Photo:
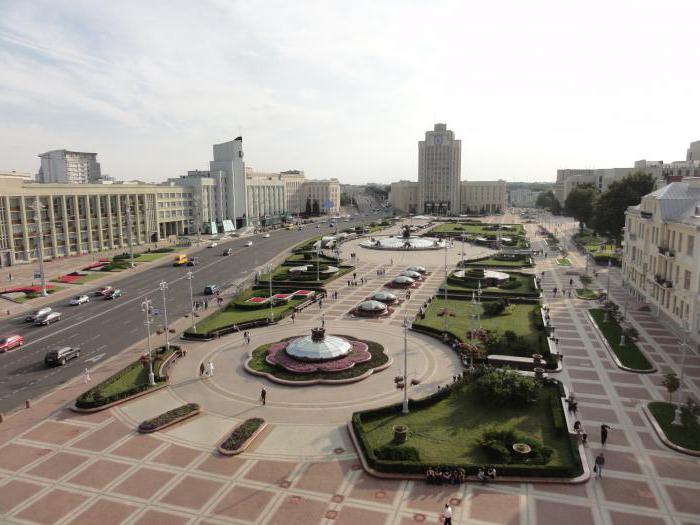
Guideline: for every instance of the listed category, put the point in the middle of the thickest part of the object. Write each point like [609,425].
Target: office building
[439,169]
[71,167]
[324,193]
[228,158]
[568,179]
[661,260]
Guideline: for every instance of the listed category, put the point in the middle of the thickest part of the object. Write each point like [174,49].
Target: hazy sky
[346,89]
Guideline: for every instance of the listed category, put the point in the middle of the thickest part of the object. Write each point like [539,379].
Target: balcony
[646,214]
[663,282]
[666,252]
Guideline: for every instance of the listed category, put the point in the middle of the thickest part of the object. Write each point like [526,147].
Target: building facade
[480,197]
[228,159]
[65,166]
[439,172]
[661,260]
[324,192]
[568,179]
[403,196]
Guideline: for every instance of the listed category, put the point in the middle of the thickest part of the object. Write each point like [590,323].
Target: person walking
[263,396]
[202,369]
[604,433]
[86,376]
[294,315]
[448,514]
[323,321]
[598,467]
[211,369]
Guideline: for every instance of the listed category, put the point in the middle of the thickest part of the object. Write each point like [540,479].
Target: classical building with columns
[83,218]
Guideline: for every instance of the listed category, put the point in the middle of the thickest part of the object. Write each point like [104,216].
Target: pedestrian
[211,369]
[354,275]
[263,396]
[448,514]
[604,433]
[86,376]
[571,282]
[320,304]
[294,315]
[598,467]
[9,276]
[206,305]
[323,321]
[201,369]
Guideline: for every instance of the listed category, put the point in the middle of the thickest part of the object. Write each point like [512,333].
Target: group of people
[381,271]
[448,476]
[572,404]
[485,474]
[200,305]
[206,369]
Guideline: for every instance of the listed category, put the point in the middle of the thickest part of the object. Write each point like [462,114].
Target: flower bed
[94,266]
[276,355]
[169,418]
[241,435]
[71,278]
[304,294]
[258,300]
[281,297]
[26,289]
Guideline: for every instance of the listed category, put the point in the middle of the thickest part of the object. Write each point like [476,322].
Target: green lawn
[629,355]
[149,257]
[281,273]
[446,431]
[517,318]
[564,261]
[233,314]
[585,293]
[687,435]
[478,229]
[526,286]
[499,263]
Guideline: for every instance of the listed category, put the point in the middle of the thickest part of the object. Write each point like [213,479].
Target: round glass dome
[402,279]
[411,274]
[371,306]
[311,348]
[385,297]
[419,269]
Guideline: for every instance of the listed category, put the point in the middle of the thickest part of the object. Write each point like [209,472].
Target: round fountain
[405,241]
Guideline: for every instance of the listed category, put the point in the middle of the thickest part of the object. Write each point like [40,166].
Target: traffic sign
[37,275]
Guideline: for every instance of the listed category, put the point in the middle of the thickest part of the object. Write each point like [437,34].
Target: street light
[624,309]
[678,414]
[40,245]
[163,286]
[447,316]
[146,308]
[269,280]
[405,365]
[189,276]
[318,261]
[462,256]
[131,242]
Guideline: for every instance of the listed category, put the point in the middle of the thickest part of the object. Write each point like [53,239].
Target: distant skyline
[347,90]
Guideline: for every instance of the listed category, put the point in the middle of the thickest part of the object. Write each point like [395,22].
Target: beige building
[65,166]
[403,196]
[83,218]
[475,197]
[568,179]
[325,192]
[662,253]
[439,169]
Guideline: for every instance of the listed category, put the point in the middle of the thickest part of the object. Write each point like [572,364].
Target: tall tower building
[71,167]
[439,170]
[228,158]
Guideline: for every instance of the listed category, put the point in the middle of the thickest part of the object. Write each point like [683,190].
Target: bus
[180,260]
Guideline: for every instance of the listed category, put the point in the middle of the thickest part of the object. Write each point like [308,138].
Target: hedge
[242,433]
[558,418]
[168,417]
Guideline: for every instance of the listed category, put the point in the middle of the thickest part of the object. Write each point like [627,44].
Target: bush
[558,419]
[397,453]
[497,441]
[510,284]
[505,387]
[494,308]
[163,250]
[242,433]
[168,417]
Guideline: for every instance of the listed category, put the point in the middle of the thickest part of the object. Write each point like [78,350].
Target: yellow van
[180,260]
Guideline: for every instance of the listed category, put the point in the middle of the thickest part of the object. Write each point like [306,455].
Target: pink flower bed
[71,277]
[26,289]
[93,266]
[257,300]
[276,355]
[281,297]
[304,293]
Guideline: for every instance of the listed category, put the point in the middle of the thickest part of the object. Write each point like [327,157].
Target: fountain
[404,242]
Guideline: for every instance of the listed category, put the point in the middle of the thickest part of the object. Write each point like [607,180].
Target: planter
[539,372]
[400,434]
[245,444]
[537,358]
[169,418]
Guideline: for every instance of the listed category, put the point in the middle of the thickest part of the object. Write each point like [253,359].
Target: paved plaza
[60,467]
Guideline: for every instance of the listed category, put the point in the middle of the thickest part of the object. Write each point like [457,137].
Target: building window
[686,280]
[690,245]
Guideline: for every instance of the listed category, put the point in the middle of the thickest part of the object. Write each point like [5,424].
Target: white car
[213,245]
[78,300]
[249,244]
[266,236]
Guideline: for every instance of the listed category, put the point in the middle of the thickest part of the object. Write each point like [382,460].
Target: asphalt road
[102,328]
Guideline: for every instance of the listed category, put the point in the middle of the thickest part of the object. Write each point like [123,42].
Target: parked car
[210,289]
[11,342]
[193,261]
[249,244]
[78,300]
[104,291]
[228,251]
[61,355]
[266,236]
[212,245]
[113,294]
[47,319]
[38,313]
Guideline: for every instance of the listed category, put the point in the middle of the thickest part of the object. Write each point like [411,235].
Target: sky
[347,89]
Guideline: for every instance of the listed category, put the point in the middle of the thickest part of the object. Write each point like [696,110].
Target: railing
[666,252]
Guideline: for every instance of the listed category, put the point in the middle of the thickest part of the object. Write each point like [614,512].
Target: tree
[316,208]
[548,201]
[609,218]
[672,383]
[308,206]
[580,204]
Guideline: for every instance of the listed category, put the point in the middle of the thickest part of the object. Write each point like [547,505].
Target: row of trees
[603,212]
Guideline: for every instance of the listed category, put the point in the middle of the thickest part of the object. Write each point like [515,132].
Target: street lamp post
[678,414]
[189,275]
[405,365]
[624,309]
[131,240]
[146,308]
[40,246]
[318,262]
[163,287]
[269,280]
[447,313]
[462,255]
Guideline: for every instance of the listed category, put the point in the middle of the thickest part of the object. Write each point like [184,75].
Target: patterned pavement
[58,467]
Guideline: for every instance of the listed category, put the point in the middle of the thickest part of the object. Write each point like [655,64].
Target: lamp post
[318,262]
[607,289]
[447,313]
[625,285]
[163,286]
[462,255]
[131,240]
[146,308]
[189,275]
[40,245]
[405,365]
[478,295]
[678,414]
[269,280]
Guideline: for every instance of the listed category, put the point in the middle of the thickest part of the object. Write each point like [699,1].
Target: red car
[10,342]
[105,290]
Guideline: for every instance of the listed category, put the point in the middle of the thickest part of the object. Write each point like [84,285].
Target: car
[318,226]
[193,261]
[266,236]
[104,291]
[211,289]
[212,245]
[11,342]
[47,319]
[113,294]
[38,313]
[60,356]
[228,251]
[249,244]
[78,300]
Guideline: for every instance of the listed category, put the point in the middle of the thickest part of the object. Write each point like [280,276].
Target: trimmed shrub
[502,386]
[494,308]
[397,453]
[168,417]
[497,441]
[558,419]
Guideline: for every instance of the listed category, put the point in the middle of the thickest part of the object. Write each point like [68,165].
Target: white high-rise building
[439,170]
[71,167]
[228,158]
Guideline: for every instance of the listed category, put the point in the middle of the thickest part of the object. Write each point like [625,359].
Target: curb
[244,446]
[662,435]
[316,381]
[617,361]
